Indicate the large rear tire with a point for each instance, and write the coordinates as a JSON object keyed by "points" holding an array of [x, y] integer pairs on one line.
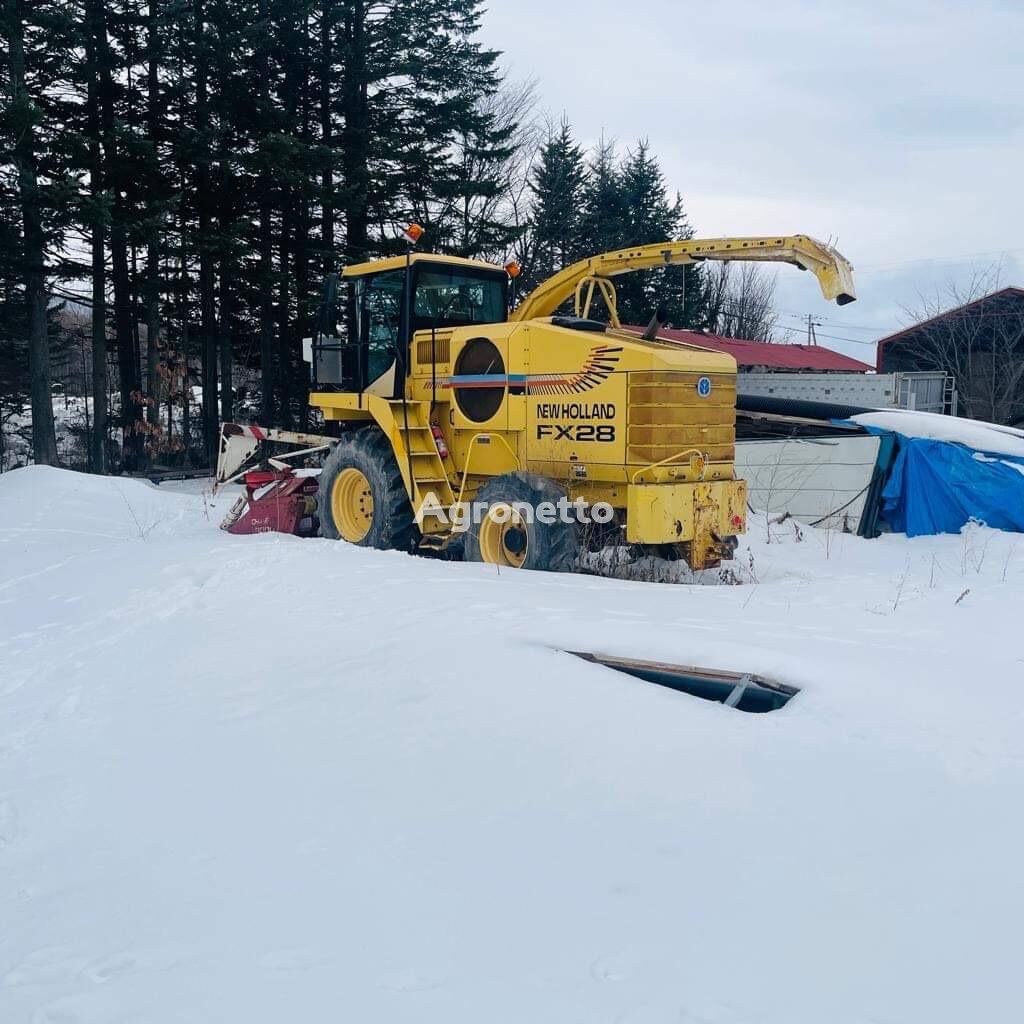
{"points": [[507, 537], [361, 497]]}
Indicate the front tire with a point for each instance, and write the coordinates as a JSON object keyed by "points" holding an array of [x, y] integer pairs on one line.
{"points": [[361, 497], [508, 536]]}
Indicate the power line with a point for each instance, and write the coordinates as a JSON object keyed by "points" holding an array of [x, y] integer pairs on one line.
{"points": [[953, 315], [872, 267], [853, 341], [813, 323]]}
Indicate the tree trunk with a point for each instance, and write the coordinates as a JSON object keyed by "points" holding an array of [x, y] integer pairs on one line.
{"points": [[153, 326], [327, 136], [129, 378], [204, 201], [227, 201], [266, 279], [355, 133], [227, 408], [186, 381], [266, 248], [284, 308], [100, 411], [303, 228], [290, 197], [44, 438], [124, 334]]}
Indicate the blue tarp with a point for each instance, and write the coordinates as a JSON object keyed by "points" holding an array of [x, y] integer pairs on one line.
{"points": [[938, 486]]}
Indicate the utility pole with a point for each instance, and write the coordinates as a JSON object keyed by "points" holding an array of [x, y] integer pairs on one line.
{"points": [[812, 322]]}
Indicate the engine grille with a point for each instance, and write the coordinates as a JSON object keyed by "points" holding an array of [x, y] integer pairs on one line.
{"points": [[443, 347], [667, 415]]}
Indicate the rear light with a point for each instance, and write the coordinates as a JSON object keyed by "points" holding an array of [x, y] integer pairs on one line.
{"points": [[737, 521], [442, 445]]}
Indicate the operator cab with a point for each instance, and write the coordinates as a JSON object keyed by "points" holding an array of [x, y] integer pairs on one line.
{"points": [[368, 351]]}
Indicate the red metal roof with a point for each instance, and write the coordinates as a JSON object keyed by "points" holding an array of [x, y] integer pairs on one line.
{"points": [[760, 353]]}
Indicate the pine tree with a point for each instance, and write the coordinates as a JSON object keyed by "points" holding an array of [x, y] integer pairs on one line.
{"points": [[469, 216], [602, 222], [649, 215], [557, 185], [412, 88], [212, 154]]}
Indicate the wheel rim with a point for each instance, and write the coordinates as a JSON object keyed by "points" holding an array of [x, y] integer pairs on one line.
{"points": [[506, 542], [352, 505]]}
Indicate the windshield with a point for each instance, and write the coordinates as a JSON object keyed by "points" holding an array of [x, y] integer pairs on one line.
{"points": [[452, 296]]}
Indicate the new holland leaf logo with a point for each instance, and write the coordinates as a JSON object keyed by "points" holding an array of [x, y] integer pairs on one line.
{"points": [[598, 367]]}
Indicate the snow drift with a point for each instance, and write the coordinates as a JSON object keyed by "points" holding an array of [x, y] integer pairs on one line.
{"points": [[976, 434]]}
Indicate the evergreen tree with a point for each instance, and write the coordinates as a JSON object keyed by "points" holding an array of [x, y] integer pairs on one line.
{"points": [[557, 184], [412, 81], [602, 221], [216, 156], [649, 215], [469, 217]]}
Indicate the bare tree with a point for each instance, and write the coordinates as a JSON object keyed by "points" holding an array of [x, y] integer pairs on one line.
{"points": [[480, 221], [741, 302], [519, 206], [976, 333]]}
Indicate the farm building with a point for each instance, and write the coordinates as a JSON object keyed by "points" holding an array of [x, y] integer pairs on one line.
{"points": [[979, 344]]}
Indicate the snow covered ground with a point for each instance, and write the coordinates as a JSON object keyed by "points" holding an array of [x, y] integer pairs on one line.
{"points": [[263, 779]]}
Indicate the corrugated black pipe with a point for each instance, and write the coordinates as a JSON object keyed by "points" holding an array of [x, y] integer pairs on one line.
{"points": [[797, 407]]}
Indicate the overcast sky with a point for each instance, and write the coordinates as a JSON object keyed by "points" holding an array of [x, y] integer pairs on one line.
{"points": [[892, 129]]}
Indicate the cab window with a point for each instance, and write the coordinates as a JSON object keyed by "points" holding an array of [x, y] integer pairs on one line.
{"points": [[455, 296], [379, 310]]}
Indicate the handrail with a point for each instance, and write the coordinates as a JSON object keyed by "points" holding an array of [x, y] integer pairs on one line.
{"points": [[686, 451]]}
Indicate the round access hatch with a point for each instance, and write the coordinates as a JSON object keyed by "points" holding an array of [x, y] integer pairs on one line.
{"points": [[476, 398]]}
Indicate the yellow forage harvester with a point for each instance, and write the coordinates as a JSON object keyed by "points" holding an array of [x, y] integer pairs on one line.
{"points": [[439, 392]]}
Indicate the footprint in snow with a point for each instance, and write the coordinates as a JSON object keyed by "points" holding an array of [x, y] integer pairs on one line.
{"points": [[113, 966], [410, 980], [607, 969]]}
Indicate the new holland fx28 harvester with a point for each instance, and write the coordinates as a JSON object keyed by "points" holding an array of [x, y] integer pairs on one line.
{"points": [[436, 393]]}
